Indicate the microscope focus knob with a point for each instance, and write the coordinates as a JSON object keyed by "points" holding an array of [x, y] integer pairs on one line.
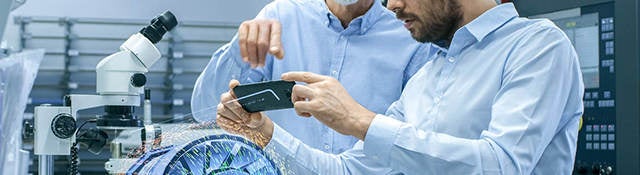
{"points": [[138, 80], [63, 126]]}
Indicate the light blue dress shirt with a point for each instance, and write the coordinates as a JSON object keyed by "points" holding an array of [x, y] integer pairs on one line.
{"points": [[504, 98], [374, 47]]}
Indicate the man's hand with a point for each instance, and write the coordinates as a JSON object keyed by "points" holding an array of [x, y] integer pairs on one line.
{"points": [[256, 38], [324, 98], [234, 119]]}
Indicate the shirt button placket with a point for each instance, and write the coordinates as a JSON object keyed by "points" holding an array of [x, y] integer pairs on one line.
{"points": [[339, 56], [326, 139]]}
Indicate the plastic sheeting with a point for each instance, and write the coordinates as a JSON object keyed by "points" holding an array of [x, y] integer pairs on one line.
{"points": [[17, 73]]}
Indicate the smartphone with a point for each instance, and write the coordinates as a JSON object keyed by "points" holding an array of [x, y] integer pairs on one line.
{"points": [[265, 96]]}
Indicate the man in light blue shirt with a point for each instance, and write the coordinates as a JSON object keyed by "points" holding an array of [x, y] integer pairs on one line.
{"points": [[503, 95], [346, 46]]}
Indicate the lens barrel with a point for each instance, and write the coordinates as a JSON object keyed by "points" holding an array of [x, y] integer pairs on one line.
{"points": [[159, 26]]}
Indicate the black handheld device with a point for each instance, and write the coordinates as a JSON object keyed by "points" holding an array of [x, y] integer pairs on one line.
{"points": [[265, 96]]}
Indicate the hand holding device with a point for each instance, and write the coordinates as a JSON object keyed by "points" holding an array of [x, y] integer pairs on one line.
{"points": [[327, 100], [233, 118]]}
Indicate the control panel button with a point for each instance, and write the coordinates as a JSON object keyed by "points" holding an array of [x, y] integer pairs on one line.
{"points": [[607, 63], [612, 146], [606, 103], [589, 146], [587, 95], [608, 44], [603, 103], [586, 104], [596, 137], [607, 36], [603, 146], [589, 137], [606, 24], [589, 128], [611, 137], [603, 128], [603, 137], [596, 146], [596, 128], [611, 128], [589, 104]]}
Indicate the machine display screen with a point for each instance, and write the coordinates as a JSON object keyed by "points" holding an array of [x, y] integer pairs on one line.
{"points": [[583, 33]]}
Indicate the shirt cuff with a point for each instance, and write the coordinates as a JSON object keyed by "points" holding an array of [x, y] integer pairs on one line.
{"points": [[282, 142], [380, 138]]}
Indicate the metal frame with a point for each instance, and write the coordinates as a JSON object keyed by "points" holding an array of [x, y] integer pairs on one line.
{"points": [[68, 41], [628, 87], [172, 55], [627, 67]]}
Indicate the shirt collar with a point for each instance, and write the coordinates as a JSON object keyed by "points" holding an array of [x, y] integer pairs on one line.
{"points": [[481, 27], [491, 20], [366, 21]]}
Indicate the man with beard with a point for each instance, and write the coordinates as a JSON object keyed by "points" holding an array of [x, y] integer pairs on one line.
{"points": [[503, 95]]}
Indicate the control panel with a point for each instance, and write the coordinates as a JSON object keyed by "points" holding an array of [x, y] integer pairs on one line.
{"points": [[591, 31]]}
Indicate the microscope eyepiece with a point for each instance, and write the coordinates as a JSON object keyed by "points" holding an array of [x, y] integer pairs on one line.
{"points": [[159, 26]]}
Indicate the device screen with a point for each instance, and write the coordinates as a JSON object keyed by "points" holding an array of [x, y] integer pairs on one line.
{"points": [[265, 96]]}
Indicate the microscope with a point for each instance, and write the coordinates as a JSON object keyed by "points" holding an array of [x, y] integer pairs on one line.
{"points": [[120, 80]]}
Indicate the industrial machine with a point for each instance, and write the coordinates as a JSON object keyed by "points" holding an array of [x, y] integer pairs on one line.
{"points": [[605, 35]]}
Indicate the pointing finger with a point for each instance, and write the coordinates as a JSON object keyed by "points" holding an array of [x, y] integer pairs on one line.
{"points": [[276, 44], [243, 33], [263, 42], [252, 44]]}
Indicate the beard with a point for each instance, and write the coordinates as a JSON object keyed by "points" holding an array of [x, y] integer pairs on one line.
{"points": [[437, 24]]}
